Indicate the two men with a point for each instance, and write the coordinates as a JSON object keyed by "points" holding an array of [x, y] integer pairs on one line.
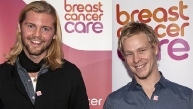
{"points": [[148, 89], [36, 76]]}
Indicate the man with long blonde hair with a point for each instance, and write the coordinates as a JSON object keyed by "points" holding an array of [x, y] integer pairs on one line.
{"points": [[35, 75]]}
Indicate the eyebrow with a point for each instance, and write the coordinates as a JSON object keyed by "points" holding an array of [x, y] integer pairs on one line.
{"points": [[28, 23], [143, 47], [35, 25]]}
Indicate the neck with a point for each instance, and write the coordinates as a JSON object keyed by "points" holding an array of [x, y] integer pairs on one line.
{"points": [[150, 81], [148, 84], [34, 58], [28, 64]]}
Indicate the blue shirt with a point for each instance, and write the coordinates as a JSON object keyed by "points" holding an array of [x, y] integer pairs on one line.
{"points": [[167, 95], [25, 78]]}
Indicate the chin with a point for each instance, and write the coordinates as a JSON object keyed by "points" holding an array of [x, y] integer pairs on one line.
{"points": [[142, 75]]}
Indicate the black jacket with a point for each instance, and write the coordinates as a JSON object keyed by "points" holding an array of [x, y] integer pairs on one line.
{"points": [[62, 88]]}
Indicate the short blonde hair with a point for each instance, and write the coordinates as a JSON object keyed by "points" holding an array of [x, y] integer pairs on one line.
{"points": [[133, 28]]}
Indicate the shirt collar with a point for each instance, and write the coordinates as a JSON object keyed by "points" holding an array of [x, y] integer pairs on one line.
{"points": [[134, 83], [42, 70], [162, 80]]}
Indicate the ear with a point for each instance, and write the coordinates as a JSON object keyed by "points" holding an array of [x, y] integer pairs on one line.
{"points": [[18, 27], [156, 49], [54, 37]]}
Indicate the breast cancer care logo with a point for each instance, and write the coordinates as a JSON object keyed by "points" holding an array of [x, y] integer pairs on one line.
{"points": [[173, 30], [83, 18]]}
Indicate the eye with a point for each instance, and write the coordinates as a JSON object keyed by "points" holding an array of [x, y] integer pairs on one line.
{"points": [[30, 26], [46, 29], [142, 50], [128, 54]]}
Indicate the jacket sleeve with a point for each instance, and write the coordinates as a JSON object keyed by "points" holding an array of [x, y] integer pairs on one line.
{"points": [[78, 97]]}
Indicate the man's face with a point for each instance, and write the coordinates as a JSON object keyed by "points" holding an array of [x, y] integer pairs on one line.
{"points": [[37, 32], [140, 56]]}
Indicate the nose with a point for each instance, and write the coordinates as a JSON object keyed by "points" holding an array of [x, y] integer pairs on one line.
{"points": [[136, 58], [37, 32]]}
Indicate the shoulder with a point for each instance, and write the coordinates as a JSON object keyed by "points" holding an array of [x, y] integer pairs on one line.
{"points": [[117, 97], [178, 89], [5, 70], [5, 66], [69, 65], [69, 69], [120, 93]]}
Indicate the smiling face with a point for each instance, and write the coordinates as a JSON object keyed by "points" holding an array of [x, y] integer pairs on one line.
{"points": [[140, 56], [37, 32]]}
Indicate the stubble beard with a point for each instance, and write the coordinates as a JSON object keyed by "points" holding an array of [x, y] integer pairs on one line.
{"points": [[144, 76], [34, 51]]}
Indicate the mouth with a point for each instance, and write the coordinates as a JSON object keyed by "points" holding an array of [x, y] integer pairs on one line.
{"points": [[140, 66], [36, 42]]}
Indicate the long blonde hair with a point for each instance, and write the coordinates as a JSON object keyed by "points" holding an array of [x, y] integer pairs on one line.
{"points": [[54, 55]]}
